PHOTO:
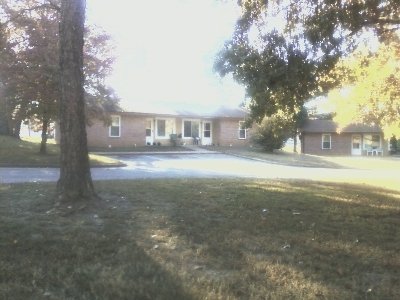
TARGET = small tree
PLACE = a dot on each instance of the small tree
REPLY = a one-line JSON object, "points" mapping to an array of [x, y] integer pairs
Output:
{"points": [[393, 144], [298, 121], [272, 133]]}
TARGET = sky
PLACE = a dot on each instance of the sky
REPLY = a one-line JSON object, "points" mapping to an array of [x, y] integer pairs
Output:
{"points": [[165, 51]]}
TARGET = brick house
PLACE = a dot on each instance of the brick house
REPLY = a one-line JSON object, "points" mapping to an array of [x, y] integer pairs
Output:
{"points": [[224, 127], [322, 137]]}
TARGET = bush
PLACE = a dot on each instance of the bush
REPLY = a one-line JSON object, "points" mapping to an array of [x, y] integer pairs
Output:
{"points": [[394, 145], [272, 133], [174, 139]]}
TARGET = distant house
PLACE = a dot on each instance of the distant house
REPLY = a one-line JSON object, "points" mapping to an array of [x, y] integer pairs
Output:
{"points": [[225, 127], [322, 137]]}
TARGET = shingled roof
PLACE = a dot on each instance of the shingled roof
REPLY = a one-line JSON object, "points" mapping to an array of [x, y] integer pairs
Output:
{"points": [[219, 112], [329, 126]]}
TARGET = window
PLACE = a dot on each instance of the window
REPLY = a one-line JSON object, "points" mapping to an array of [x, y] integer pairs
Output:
{"points": [[326, 141], [207, 130], [191, 129], [164, 127], [242, 130], [160, 128], [148, 128], [356, 143], [372, 141], [115, 127]]}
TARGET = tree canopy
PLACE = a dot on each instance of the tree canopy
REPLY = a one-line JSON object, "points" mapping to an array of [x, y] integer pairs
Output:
{"points": [[283, 51], [369, 90], [29, 65]]}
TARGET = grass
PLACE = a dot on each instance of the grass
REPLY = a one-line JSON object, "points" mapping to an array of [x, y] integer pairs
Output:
{"points": [[202, 239], [141, 149], [295, 159], [25, 153]]}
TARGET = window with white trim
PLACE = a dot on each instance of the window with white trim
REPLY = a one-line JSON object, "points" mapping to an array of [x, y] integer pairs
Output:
{"points": [[191, 128], [160, 128], [115, 126], [242, 131], [164, 127], [326, 141], [372, 141], [207, 130]]}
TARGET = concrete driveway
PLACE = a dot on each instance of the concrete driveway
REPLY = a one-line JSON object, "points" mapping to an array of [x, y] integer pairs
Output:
{"points": [[195, 166]]}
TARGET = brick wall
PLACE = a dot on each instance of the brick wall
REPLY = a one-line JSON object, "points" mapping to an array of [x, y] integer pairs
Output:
{"points": [[216, 131], [226, 133], [132, 131], [340, 144]]}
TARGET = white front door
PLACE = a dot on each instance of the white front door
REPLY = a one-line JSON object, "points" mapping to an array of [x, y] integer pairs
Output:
{"points": [[356, 145], [206, 139], [149, 132]]}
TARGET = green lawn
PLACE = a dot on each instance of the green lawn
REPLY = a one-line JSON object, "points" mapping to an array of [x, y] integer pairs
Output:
{"points": [[25, 152], [295, 159], [153, 148], [202, 239]]}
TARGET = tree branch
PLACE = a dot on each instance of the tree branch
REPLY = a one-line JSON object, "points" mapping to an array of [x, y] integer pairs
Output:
{"points": [[54, 5], [50, 5], [381, 21]]}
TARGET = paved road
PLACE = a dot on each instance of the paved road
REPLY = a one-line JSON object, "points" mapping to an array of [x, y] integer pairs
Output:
{"points": [[194, 166]]}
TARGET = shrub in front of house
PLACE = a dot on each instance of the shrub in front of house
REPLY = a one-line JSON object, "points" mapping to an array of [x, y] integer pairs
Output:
{"points": [[394, 145], [174, 139], [272, 133]]}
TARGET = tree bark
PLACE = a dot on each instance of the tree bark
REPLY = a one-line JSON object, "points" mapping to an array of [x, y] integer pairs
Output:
{"points": [[19, 117], [43, 143], [17, 129], [75, 181]]}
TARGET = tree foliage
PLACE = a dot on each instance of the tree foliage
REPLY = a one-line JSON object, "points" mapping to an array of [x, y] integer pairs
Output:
{"points": [[98, 62], [30, 65], [272, 132], [369, 90], [283, 50], [277, 75]]}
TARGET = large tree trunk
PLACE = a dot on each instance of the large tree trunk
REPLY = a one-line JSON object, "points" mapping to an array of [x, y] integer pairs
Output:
{"points": [[43, 143], [75, 181]]}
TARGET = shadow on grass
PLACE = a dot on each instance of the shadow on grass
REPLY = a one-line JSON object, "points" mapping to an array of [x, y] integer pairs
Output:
{"points": [[87, 255], [18, 152], [197, 239]]}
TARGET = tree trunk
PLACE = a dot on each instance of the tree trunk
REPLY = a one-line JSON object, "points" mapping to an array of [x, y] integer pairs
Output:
{"points": [[295, 143], [4, 122], [17, 129], [43, 143], [75, 181], [19, 117]]}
